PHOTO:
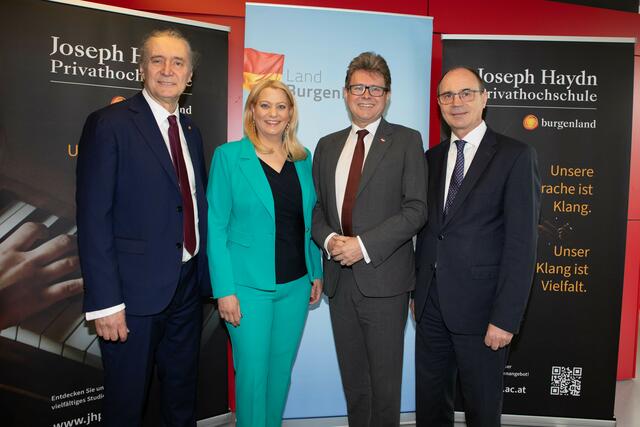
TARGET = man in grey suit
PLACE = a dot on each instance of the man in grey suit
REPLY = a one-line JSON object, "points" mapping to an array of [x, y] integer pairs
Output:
{"points": [[371, 184]]}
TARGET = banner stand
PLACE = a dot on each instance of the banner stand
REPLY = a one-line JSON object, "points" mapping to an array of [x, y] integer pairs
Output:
{"points": [[562, 96]]}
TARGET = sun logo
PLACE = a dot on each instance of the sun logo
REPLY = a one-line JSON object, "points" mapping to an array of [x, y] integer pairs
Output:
{"points": [[530, 122], [117, 99]]}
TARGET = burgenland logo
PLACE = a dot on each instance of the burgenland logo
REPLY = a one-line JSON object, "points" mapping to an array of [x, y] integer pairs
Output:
{"points": [[260, 66], [532, 122]]}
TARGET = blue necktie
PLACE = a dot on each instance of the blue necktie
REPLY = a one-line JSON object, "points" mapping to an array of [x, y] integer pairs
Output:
{"points": [[457, 176]]}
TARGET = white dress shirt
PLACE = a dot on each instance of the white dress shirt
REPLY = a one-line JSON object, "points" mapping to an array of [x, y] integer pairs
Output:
{"points": [[473, 140], [342, 174], [161, 115]]}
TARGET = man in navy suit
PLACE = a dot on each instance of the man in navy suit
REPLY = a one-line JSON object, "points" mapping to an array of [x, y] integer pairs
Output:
{"points": [[141, 214], [474, 258]]}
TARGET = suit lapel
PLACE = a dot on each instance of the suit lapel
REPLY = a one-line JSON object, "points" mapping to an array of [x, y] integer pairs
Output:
{"points": [[441, 161], [148, 127], [485, 153], [193, 147], [303, 179], [253, 172], [381, 141]]}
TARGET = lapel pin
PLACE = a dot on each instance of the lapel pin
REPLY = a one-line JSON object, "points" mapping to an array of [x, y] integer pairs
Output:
{"points": [[189, 127], [382, 140]]}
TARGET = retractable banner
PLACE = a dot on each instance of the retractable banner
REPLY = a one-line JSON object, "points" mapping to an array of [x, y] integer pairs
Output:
{"points": [[61, 61], [309, 49], [571, 99]]}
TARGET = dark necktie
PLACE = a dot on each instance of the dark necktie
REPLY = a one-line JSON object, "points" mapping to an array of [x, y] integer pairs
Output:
{"points": [[355, 171], [457, 176], [188, 226]]}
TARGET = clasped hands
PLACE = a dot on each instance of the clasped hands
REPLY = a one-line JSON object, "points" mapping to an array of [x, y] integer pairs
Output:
{"points": [[345, 250]]}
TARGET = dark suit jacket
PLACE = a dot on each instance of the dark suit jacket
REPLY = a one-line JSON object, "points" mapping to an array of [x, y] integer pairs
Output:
{"points": [[483, 253], [389, 210], [129, 211]]}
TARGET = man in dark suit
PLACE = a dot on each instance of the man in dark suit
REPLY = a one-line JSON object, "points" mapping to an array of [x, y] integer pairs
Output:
{"points": [[474, 258], [371, 184], [141, 214]]}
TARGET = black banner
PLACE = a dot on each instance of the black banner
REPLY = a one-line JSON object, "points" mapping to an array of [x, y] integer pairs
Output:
{"points": [[59, 63], [572, 100], [632, 6]]}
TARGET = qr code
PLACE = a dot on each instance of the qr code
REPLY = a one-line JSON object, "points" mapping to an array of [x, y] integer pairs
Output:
{"points": [[566, 381]]}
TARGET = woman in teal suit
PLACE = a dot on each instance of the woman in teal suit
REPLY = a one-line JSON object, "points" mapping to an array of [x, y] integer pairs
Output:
{"points": [[265, 269]]}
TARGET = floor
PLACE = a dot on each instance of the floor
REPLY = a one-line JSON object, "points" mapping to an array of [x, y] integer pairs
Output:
{"points": [[626, 411], [627, 407]]}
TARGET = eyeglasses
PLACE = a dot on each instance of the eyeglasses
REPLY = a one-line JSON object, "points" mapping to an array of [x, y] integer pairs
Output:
{"points": [[373, 90], [465, 95]]}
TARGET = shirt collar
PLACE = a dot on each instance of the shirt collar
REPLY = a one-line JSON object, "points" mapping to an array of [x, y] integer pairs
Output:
{"points": [[159, 112], [371, 127], [474, 137]]}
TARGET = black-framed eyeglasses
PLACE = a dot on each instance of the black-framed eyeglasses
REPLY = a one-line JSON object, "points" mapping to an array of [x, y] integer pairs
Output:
{"points": [[465, 95], [373, 90]]}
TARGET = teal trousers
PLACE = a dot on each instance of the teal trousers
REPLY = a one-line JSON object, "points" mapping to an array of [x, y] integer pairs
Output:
{"points": [[264, 349]]}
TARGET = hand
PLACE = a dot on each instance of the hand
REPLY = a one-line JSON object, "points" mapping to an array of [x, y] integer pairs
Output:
{"points": [[412, 307], [229, 308], [28, 275], [333, 243], [316, 291], [347, 250], [497, 338], [112, 327]]}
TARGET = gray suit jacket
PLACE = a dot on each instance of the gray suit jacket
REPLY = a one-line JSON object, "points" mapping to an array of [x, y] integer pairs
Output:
{"points": [[390, 208]]}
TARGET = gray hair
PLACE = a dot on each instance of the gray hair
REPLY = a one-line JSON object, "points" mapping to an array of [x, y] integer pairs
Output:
{"points": [[169, 32]]}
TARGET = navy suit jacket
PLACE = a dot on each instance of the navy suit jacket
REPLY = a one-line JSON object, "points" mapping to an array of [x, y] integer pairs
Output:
{"points": [[129, 209], [482, 254]]}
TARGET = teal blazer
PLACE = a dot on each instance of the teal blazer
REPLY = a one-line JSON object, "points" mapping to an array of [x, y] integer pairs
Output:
{"points": [[242, 228]]}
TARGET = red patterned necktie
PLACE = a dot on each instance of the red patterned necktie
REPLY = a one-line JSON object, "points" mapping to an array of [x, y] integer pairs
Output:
{"points": [[355, 172], [188, 226]]}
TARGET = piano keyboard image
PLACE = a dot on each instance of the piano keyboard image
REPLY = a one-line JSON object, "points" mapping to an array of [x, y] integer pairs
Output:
{"points": [[59, 327]]}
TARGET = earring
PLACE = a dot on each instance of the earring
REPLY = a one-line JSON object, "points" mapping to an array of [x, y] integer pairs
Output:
{"points": [[286, 128]]}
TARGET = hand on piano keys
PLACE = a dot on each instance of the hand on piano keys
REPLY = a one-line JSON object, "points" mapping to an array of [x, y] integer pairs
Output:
{"points": [[41, 287], [32, 277]]}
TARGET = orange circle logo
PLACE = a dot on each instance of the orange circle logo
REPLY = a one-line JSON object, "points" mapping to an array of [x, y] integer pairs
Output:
{"points": [[530, 122], [117, 99]]}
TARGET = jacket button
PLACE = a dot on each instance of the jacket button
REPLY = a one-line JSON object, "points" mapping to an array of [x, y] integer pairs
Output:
{"points": [[178, 245], [440, 237], [178, 208]]}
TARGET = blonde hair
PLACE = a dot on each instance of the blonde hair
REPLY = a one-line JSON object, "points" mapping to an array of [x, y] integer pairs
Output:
{"points": [[292, 147]]}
